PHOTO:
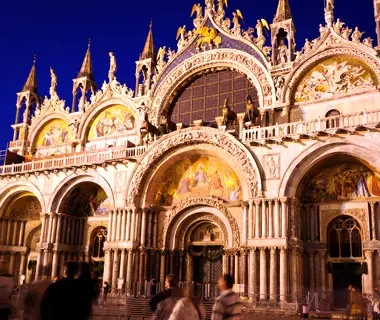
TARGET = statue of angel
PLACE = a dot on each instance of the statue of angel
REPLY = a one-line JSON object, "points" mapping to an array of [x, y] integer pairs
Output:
{"points": [[261, 24], [53, 84], [210, 5], [112, 70], [197, 9], [338, 26], [237, 16], [368, 42], [322, 30], [181, 37], [357, 35], [346, 33], [307, 47], [221, 5], [329, 5], [161, 58], [171, 54]]}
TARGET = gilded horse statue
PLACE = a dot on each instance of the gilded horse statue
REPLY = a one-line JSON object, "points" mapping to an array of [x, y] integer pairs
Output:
{"points": [[209, 37]]}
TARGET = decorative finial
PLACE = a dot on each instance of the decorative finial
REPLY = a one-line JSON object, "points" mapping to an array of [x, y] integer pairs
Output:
{"points": [[34, 59], [151, 24], [89, 43]]}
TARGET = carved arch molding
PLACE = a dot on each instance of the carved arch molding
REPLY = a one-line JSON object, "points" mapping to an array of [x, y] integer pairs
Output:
{"points": [[225, 141], [194, 202], [239, 60], [295, 77]]}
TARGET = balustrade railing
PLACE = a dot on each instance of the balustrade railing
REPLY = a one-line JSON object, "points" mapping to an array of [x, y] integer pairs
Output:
{"points": [[73, 160], [344, 121]]}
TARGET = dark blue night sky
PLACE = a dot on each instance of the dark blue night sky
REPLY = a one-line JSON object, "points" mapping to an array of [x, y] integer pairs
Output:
{"points": [[57, 32]]}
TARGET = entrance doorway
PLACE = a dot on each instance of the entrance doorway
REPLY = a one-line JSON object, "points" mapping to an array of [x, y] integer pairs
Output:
{"points": [[208, 266], [344, 276]]}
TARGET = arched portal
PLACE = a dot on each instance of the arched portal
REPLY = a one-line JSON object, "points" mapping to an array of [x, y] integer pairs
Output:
{"points": [[20, 218], [96, 249]]}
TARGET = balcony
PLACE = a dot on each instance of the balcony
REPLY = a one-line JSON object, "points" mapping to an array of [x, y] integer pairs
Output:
{"points": [[76, 160], [346, 123]]}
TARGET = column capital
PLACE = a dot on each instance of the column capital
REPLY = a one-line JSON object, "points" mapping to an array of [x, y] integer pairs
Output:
{"points": [[263, 249], [258, 201], [372, 204], [283, 250], [369, 253], [273, 251], [284, 200]]}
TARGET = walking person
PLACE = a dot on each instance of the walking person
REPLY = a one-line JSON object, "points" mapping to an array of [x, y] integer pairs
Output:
{"points": [[162, 304], [106, 291], [188, 308], [6, 290], [59, 299], [228, 304]]}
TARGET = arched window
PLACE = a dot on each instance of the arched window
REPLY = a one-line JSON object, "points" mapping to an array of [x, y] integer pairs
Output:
{"points": [[334, 122], [98, 243], [344, 237]]}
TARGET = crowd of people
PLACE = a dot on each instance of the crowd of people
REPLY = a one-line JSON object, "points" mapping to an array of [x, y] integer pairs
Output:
{"points": [[175, 304]]}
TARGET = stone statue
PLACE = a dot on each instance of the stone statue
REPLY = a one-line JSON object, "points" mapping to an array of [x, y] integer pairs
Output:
{"points": [[338, 25], [221, 5], [329, 5], [279, 84], [209, 234], [237, 15], [171, 54], [112, 70], [368, 42], [197, 10], [346, 33], [53, 84], [307, 47], [251, 112], [181, 37], [322, 31], [166, 126], [161, 58], [210, 5], [248, 34], [259, 29], [357, 35], [282, 53]]}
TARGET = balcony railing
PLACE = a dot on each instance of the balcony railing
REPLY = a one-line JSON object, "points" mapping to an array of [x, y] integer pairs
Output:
{"points": [[73, 161], [342, 122]]}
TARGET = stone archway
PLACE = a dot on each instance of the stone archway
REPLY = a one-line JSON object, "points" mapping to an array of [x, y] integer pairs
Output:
{"points": [[250, 175], [217, 58]]}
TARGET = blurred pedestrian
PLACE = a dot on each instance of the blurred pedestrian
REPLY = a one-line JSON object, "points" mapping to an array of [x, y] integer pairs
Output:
{"points": [[162, 304], [59, 299], [32, 299], [153, 287], [106, 291], [6, 289], [188, 308], [228, 304]]}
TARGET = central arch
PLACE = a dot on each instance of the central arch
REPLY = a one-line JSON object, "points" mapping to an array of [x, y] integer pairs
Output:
{"points": [[247, 169]]}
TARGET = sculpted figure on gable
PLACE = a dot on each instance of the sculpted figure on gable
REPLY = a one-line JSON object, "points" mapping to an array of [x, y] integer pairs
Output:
{"points": [[335, 76]]}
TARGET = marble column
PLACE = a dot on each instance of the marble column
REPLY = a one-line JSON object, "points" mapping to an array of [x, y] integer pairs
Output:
{"points": [[155, 226], [54, 271], [277, 233], [273, 274], [257, 218], [224, 264], [263, 275], [50, 228], [243, 269], [270, 219], [143, 228], [122, 264], [129, 271], [3, 231], [311, 271], [63, 234], [128, 226], [107, 266], [118, 224], [59, 229], [370, 275], [252, 273], [110, 226], [38, 266], [264, 220], [295, 274], [22, 271], [162, 269], [245, 222], [43, 227], [133, 225], [236, 268], [149, 228], [189, 267], [11, 269], [250, 219], [54, 217], [283, 274], [322, 254], [373, 220], [284, 217], [8, 241], [14, 235], [316, 222], [115, 273]]}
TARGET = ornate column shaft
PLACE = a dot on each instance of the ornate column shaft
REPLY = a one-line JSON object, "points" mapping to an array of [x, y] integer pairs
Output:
{"points": [[149, 228], [107, 266], [250, 219], [257, 218], [118, 225], [312, 223], [110, 226], [245, 222], [43, 227], [11, 269], [316, 222], [373, 220], [122, 264], [264, 220], [54, 227], [270, 219], [50, 228], [322, 254], [115, 273], [273, 274], [243, 269], [252, 273], [236, 268], [370, 275], [114, 225], [143, 228], [284, 217], [22, 267], [129, 269], [14, 235], [133, 225], [312, 272], [128, 226], [295, 274], [224, 264], [263, 275], [59, 229], [283, 274], [38, 266], [54, 270], [8, 240], [162, 269], [277, 233]]}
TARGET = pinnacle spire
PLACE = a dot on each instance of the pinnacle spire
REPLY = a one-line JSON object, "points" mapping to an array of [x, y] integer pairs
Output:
{"points": [[148, 51], [86, 69], [31, 81], [283, 11]]}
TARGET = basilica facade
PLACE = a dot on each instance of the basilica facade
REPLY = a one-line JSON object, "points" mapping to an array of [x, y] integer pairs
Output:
{"points": [[234, 153]]}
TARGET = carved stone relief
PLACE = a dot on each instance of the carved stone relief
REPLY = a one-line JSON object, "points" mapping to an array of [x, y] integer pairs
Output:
{"points": [[271, 164]]}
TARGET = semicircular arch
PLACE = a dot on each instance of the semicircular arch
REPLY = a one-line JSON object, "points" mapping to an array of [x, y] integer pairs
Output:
{"points": [[246, 166], [74, 180], [218, 58], [97, 109], [12, 189], [305, 161], [295, 77]]}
